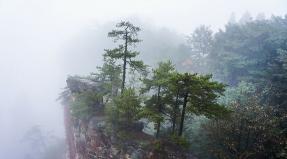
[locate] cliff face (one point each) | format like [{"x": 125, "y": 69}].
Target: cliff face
[
  {"x": 70, "y": 140},
  {"x": 94, "y": 138},
  {"x": 96, "y": 143}
]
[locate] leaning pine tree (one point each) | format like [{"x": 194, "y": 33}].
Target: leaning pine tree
[
  {"x": 198, "y": 95},
  {"x": 126, "y": 33}
]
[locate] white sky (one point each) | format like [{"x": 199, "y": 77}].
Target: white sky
[
  {"x": 34, "y": 33},
  {"x": 180, "y": 15}
]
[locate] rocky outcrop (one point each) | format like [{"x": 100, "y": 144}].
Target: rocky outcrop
[
  {"x": 96, "y": 139},
  {"x": 98, "y": 143},
  {"x": 80, "y": 84}
]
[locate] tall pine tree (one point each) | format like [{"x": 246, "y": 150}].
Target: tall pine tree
[{"x": 127, "y": 34}]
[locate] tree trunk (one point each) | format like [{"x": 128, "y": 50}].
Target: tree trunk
[
  {"x": 183, "y": 114},
  {"x": 125, "y": 61},
  {"x": 175, "y": 109},
  {"x": 159, "y": 111}
]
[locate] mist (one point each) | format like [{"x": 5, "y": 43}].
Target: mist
[{"x": 44, "y": 41}]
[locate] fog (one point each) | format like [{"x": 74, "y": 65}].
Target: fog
[{"x": 44, "y": 41}]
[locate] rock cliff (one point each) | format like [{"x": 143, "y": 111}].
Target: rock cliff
[{"x": 94, "y": 138}]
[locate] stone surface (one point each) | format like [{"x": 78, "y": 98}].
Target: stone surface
[{"x": 80, "y": 84}]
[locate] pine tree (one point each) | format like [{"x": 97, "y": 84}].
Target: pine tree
[
  {"x": 128, "y": 107},
  {"x": 109, "y": 76},
  {"x": 158, "y": 84},
  {"x": 200, "y": 43},
  {"x": 126, "y": 33},
  {"x": 199, "y": 96}
]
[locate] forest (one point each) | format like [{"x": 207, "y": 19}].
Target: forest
[{"x": 223, "y": 97}]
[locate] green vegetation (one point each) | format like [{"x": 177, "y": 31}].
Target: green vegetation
[
  {"x": 243, "y": 118},
  {"x": 157, "y": 84},
  {"x": 167, "y": 96},
  {"x": 128, "y": 107},
  {"x": 83, "y": 107},
  {"x": 250, "y": 132},
  {"x": 250, "y": 57},
  {"x": 127, "y": 33}
]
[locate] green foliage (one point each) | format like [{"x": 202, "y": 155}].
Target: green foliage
[
  {"x": 158, "y": 85},
  {"x": 127, "y": 34},
  {"x": 198, "y": 95},
  {"x": 85, "y": 104},
  {"x": 128, "y": 107},
  {"x": 200, "y": 43},
  {"x": 239, "y": 93},
  {"x": 125, "y": 28},
  {"x": 254, "y": 51},
  {"x": 160, "y": 76},
  {"x": 248, "y": 132},
  {"x": 246, "y": 51},
  {"x": 109, "y": 75},
  {"x": 250, "y": 56},
  {"x": 151, "y": 113},
  {"x": 248, "y": 120},
  {"x": 111, "y": 112},
  {"x": 177, "y": 95},
  {"x": 204, "y": 95},
  {"x": 276, "y": 89}
]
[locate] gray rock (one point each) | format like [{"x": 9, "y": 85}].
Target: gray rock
[{"x": 80, "y": 84}]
